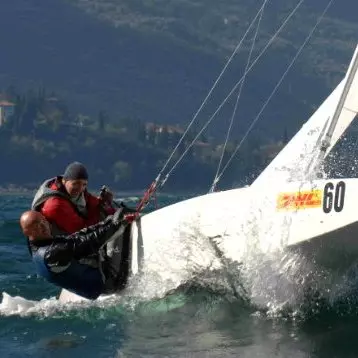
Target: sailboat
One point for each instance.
(288, 204)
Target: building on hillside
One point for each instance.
(6, 110)
(160, 128)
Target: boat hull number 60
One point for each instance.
(333, 197)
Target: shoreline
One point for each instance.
(16, 190)
(21, 190)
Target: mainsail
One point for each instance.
(302, 152)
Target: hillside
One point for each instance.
(42, 136)
(142, 61)
(156, 60)
(218, 26)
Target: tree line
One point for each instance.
(42, 136)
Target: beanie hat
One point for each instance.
(75, 171)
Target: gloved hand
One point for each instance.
(106, 196)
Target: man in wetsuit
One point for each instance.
(61, 259)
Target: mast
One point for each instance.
(326, 141)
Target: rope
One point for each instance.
(212, 189)
(212, 88)
(153, 187)
(147, 195)
(276, 87)
(234, 88)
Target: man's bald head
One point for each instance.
(34, 225)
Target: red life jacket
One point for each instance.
(55, 204)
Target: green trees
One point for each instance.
(42, 136)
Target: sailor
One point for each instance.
(66, 203)
(61, 259)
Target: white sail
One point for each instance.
(294, 159)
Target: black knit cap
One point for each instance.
(75, 171)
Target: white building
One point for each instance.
(6, 110)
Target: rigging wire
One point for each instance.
(154, 185)
(213, 87)
(232, 91)
(277, 85)
(158, 180)
(237, 100)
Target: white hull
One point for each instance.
(326, 235)
(316, 218)
(173, 242)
